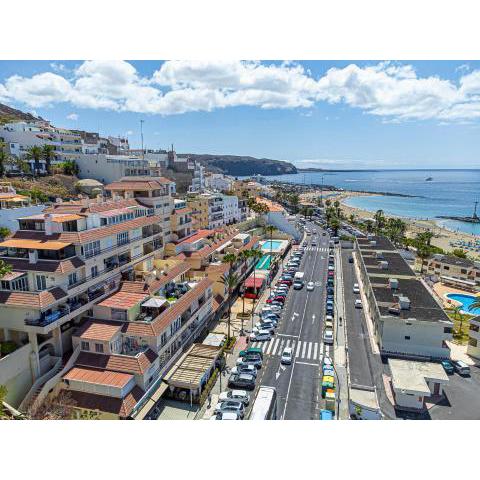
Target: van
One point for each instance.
(252, 350)
(461, 368)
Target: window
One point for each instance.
(448, 330)
(91, 249)
(99, 348)
(85, 346)
(407, 337)
(94, 271)
(41, 281)
(122, 238)
(72, 279)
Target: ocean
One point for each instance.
(450, 192)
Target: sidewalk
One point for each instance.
(341, 345)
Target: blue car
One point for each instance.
(448, 367)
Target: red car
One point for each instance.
(276, 299)
(331, 274)
(286, 282)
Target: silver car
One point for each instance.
(235, 406)
(244, 368)
(240, 395)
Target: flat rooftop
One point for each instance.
(412, 377)
(381, 243)
(396, 264)
(423, 306)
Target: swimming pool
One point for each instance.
(264, 263)
(466, 301)
(272, 245)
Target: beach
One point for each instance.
(442, 236)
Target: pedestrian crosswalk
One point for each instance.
(302, 349)
(309, 248)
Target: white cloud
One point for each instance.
(390, 90)
(72, 116)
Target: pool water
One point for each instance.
(466, 301)
(272, 245)
(264, 263)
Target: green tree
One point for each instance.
(3, 395)
(459, 253)
(256, 254)
(423, 252)
(3, 158)
(335, 224)
(35, 153)
(379, 218)
(369, 225)
(229, 281)
(48, 154)
(4, 268)
(4, 232)
(70, 167)
(475, 304)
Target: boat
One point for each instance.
(429, 179)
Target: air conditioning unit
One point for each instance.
(404, 303)
(393, 282)
(383, 264)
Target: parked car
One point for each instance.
(268, 326)
(310, 286)
(251, 351)
(226, 416)
(245, 368)
(331, 268)
(277, 303)
(314, 244)
(358, 303)
(261, 336)
(254, 360)
(448, 366)
(270, 316)
(328, 336)
(330, 290)
(350, 259)
(287, 356)
(235, 406)
(356, 288)
(331, 273)
(240, 395)
(461, 368)
(286, 281)
(241, 381)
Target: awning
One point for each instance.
(457, 280)
(34, 244)
(154, 302)
(250, 282)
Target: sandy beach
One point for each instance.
(442, 236)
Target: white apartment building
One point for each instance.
(407, 319)
(198, 180)
(231, 212)
(65, 260)
(219, 182)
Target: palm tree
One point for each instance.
(4, 268)
(256, 254)
(336, 204)
(379, 218)
(423, 252)
(229, 281)
(369, 225)
(229, 258)
(35, 153)
(475, 304)
(48, 153)
(425, 237)
(294, 200)
(335, 224)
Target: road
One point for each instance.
(298, 385)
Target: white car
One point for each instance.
(287, 356)
(356, 288)
(358, 303)
(328, 336)
(245, 368)
(310, 286)
(328, 323)
(226, 416)
(261, 336)
(241, 395)
(235, 406)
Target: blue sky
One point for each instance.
(327, 114)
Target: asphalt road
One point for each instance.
(298, 385)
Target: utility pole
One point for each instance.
(141, 134)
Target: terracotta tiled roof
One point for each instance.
(183, 211)
(60, 266)
(134, 287)
(89, 235)
(207, 250)
(66, 218)
(138, 184)
(98, 330)
(197, 236)
(217, 300)
(250, 244)
(36, 300)
(98, 377)
(169, 315)
(173, 273)
(92, 207)
(118, 406)
(8, 277)
(44, 244)
(118, 363)
(123, 300)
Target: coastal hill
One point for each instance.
(239, 165)
(9, 114)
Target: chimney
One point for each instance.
(48, 224)
(404, 303)
(32, 256)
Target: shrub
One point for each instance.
(7, 347)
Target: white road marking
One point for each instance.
(313, 318)
(285, 335)
(315, 351)
(307, 363)
(270, 345)
(304, 348)
(309, 350)
(299, 344)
